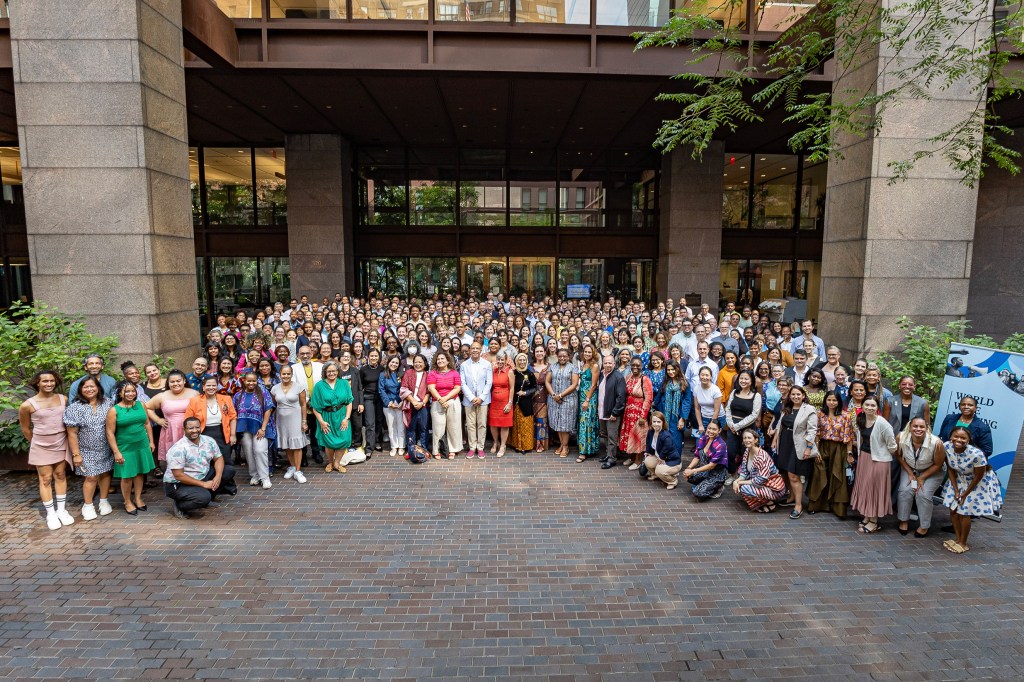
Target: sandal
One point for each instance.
(867, 530)
(329, 468)
(564, 453)
(956, 548)
(437, 456)
(451, 455)
(581, 459)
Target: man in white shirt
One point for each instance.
(476, 375)
(308, 373)
(702, 360)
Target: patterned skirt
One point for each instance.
(522, 436)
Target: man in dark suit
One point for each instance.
(611, 403)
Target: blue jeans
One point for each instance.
(416, 432)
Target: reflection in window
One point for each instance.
(433, 201)
(736, 192)
(729, 13)
(553, 11)
(234, 282)
(752, 282)
(389, 9)
(229, 197)
(774, 191)
(779, 16)
(812, 197)
(531, 203)
(275, 280)
(271, 194)
(582, 203)
(201, 285)
(632, 12)
(382, 196)
(531, 276)
(482, 198)
(433, 276)
(307, 9)
(389, 276)
(472, 10)
(241, 9)
(581, 271)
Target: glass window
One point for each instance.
(434, 276)
(433, 201)
(531, 276)
(307, 9)
(389, 276)
(809, 284)
(779, 16)
(389, 9)
(581, 271)
(229, 196)
(275, 280)
(632, 12)
(582, 203)
(193, 184)
(201, 285)
(528, 200)
(812, 197)
(750, 282)
(382, 196)
(13, 204)
(774, 191)
(482, 276)
(271, 192)
(472, 10)
(17, 276)
(553, 11)
(234, 282)
(482, 197)
(736, 192)
(728, 13)
(242, 9)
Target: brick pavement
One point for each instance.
(529, 567)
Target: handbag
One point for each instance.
(643, 471)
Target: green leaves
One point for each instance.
(882, 57)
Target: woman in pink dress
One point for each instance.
(41, 418)
(173, 402)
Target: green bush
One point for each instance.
(925, 349)
(36, 337)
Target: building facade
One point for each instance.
(176, 159)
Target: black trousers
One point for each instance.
(312, 429)
(217, 434)
(373, 419)
(357, 428)
(192, 497)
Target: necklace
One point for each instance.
(215, 410)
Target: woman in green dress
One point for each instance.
(332, 407)
(130, 435)
(587, 437)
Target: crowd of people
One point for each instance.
(737, 402)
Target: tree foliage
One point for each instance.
(926, 48)
(924, 351)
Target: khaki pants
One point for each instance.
(657, 467)
(447, 421)
(476, 425)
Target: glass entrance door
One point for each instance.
(532, 277)
(483, 276)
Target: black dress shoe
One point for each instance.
(947, 529)
(608, 465)
(133, 512)
(318, 458)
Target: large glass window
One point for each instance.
(589, 271)
(195, 189)
(433, 201)
(275, 280)
(13, 204)
(760, 191)
(234, 282)
(774, 191)
(632, 12)
(307, 9)
(15, 282)
(531, 276)
(482, 192)
(752, 282)
(472, 10)
(271, 192)
(553, 11)
(229, 195)
(482, 276)
(431, 276)
(812, 197)
(241, 9)
(201, 286)
(382, 196)
(532, 201)
(728, 13)
(736, 191)
(388, 276)
(779, 16)
(389, 9)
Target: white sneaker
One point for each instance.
(254, 481)
(634, 466)
(393, 452)
(290, 472)
(300, 477)
(52, 522)
(729, 480)
(66, 519)
(88, 512)
(267, 485)
(105, 508)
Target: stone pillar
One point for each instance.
(100, 96)
(894, 249)
(690, 234)
(319, 172)
(997, 279)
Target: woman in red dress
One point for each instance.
(639, 396)
(499, 414)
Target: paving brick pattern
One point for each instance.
(528, 567)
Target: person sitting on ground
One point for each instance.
(196, 472)
(709, 468)
(663, 459)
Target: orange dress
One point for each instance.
(500, 389)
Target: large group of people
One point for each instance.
(735, 402)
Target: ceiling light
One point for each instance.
(782, 168)
(762, 158)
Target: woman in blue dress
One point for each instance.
(587, 437)
(676, 401)
(656, 373)
(972, 489)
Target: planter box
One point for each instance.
(14, 461)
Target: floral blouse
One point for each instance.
(838, 429)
